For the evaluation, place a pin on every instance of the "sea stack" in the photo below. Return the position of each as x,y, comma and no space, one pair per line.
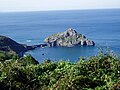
68,38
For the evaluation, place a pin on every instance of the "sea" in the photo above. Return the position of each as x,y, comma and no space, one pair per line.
31,28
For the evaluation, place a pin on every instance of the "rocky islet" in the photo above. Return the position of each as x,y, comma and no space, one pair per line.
68,38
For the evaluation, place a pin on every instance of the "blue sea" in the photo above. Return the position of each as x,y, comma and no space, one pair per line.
31,28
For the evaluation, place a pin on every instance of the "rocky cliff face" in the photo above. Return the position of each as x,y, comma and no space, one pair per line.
9,45
68,38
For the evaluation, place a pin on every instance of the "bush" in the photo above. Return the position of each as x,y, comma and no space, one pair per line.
99,73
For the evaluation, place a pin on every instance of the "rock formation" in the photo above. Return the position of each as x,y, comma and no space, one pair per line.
68,38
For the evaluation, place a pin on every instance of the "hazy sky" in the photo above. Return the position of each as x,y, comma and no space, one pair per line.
38,5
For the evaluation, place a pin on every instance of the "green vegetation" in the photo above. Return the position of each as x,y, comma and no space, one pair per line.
6,55
100,72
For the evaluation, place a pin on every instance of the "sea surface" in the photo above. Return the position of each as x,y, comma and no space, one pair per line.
31,28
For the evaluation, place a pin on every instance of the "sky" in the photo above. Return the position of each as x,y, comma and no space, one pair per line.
44,5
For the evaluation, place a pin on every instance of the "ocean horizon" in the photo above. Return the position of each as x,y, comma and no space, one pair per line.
59,10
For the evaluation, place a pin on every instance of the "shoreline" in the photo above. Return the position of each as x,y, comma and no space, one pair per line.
32,47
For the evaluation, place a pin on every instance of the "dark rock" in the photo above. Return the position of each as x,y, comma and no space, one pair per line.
90,43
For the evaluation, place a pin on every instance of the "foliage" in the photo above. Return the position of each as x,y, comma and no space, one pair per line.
6,55
28,60
100,72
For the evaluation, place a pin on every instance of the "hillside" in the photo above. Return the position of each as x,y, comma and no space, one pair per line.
10,47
